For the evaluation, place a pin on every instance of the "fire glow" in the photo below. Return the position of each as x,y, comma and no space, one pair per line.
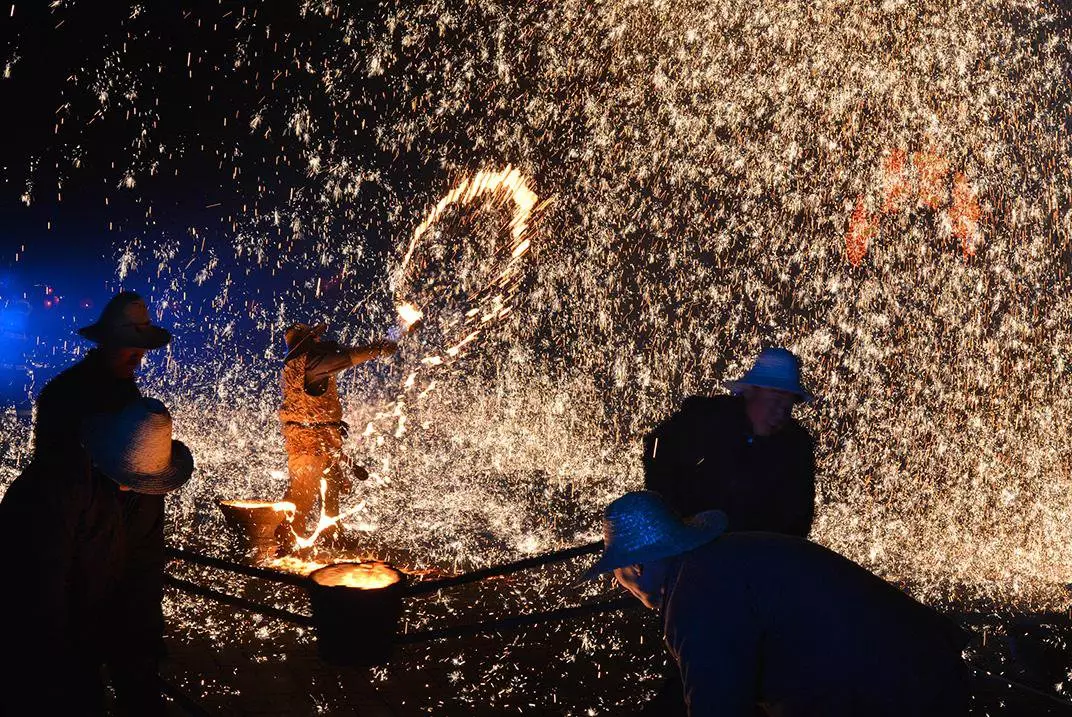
370,575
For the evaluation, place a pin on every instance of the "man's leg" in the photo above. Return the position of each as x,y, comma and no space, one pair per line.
306,471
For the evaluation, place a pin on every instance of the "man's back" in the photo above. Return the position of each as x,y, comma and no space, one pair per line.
763,617
75,394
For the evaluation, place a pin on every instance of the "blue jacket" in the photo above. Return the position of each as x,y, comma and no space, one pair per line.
759,618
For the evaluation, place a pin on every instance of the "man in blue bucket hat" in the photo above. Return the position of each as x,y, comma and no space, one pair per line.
771,624
743,454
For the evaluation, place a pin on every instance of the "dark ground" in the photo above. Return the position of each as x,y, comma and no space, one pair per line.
232,662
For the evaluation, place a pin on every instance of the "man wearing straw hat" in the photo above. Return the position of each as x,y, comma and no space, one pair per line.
87,540
102,381
743,454
760,620
311,415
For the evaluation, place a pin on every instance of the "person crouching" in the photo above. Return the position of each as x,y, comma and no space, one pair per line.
775,622
88,553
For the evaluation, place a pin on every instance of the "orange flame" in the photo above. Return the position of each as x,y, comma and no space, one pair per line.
371,575
409,314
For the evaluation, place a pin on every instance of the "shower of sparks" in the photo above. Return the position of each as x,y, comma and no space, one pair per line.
882,187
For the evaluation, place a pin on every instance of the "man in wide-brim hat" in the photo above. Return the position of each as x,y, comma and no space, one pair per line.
743,454
774,621
102,381
311,415
87,537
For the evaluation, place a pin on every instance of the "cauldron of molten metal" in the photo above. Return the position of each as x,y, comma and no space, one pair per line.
256,523
356,607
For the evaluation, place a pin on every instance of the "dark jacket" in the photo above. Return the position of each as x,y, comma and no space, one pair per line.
776,620
86,388
705,456
87,590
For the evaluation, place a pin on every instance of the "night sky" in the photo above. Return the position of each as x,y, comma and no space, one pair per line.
99,96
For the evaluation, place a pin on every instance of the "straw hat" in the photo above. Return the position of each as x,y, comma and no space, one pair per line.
774,368
298,338
125,322
134,448
640,527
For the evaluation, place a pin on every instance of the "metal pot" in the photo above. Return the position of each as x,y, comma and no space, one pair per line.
356,607
255,523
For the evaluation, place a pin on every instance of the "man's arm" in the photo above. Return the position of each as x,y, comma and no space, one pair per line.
672,453
330,358
800,498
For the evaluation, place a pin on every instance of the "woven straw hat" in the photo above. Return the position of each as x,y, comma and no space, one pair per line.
640,527
125,322
134,448
774,368
298,338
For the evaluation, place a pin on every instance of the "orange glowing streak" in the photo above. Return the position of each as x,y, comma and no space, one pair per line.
862,227
931,169
896,184
508,181
283,506
372,575
325,520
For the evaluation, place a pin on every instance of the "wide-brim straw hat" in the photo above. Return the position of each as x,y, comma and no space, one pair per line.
134,448
125,322
298,338
640,527
775,368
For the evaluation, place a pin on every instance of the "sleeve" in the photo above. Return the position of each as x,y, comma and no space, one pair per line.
714,635
800,508
669,460
53,426
335,358
325,363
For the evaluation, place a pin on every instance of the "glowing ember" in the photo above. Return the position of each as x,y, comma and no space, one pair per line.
409,314
370,575
282,506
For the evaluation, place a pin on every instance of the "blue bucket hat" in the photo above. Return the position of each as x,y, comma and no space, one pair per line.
640,527
775,368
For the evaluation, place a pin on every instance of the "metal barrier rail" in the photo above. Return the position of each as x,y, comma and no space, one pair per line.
536,561
420,588
239,602
231,566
